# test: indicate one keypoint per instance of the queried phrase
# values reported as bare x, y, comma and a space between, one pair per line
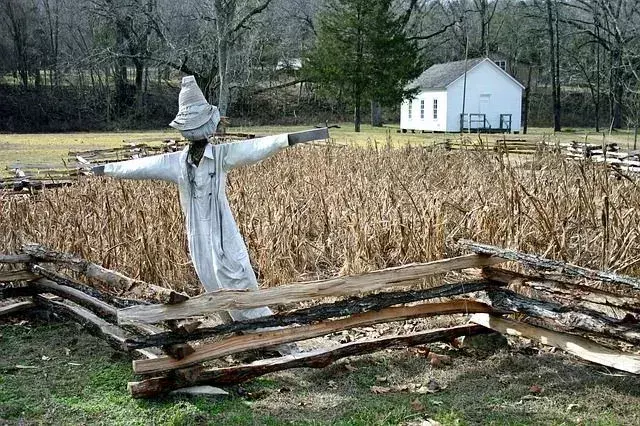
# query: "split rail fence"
590, 314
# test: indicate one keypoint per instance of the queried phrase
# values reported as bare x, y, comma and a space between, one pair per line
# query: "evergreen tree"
363, 49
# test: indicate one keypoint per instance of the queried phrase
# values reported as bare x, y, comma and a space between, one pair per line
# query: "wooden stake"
575, 345
316, 359
247, 342
216, 301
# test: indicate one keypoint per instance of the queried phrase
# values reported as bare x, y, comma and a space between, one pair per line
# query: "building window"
435, 109
422, 109
410, 107
502, 64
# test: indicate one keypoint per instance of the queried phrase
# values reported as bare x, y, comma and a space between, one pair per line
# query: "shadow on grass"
68, 377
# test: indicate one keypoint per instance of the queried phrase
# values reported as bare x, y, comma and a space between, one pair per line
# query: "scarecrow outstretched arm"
157, 167
250, 152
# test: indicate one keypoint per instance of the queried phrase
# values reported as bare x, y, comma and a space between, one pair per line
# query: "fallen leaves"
416, 405
419, 388
438, 361
535, 389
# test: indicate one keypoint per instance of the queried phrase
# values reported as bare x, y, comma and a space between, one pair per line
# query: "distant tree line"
101, 64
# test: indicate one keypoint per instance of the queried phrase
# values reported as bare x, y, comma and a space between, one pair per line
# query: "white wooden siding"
489, 91
426, 123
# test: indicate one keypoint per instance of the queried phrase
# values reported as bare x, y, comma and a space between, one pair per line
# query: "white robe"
217, 249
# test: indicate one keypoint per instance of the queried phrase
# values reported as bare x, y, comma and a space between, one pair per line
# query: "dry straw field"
316, 211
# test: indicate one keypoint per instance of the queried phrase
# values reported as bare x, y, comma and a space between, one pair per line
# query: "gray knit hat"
193, 108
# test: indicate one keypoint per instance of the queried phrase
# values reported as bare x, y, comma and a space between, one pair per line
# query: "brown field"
317, 211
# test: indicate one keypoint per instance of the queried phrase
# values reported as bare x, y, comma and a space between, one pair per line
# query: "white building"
486, 99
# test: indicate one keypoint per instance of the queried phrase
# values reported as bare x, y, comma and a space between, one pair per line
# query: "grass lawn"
77, 379
53, 148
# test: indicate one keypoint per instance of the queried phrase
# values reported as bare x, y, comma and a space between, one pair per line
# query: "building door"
483, 107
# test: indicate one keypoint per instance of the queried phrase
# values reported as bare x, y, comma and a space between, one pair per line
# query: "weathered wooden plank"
134, 288
316, 359
537, 262
15, 308
341, 308
246, 342
19, 275
575, 345
212, 302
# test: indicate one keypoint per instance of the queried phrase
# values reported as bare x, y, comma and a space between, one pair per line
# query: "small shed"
475, 95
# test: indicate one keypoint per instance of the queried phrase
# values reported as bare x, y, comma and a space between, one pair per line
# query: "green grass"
488, 389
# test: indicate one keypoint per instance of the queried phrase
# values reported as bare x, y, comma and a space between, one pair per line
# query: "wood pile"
500, 145
590, 314
609, 154
26, 178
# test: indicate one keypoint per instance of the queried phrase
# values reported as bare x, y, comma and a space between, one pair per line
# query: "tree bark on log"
576, 345
537, 262
342, 308
569, 292
119, 282
247, 342
569, 318
317, 359
224, 300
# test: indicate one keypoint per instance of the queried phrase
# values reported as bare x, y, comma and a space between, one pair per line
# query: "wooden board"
246, 342
317, 359
216, 301
575, 345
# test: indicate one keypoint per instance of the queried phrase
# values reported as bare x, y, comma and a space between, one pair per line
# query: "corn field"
315, 211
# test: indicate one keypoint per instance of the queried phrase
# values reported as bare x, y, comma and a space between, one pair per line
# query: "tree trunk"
376, 114
527, 100
552, 67
357, 118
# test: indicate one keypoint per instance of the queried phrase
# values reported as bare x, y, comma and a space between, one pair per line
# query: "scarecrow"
216, 247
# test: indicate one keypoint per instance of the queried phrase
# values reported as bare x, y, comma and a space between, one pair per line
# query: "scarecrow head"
196, 120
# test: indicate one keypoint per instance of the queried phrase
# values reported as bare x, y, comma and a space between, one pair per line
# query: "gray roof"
440, 76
